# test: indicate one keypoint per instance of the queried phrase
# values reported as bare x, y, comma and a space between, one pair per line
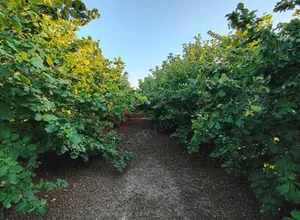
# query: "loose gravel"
162, 182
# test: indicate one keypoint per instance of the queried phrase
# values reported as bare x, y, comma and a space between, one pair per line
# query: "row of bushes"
239, 95
57, 93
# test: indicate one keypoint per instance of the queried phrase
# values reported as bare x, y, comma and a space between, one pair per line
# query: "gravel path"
162, 182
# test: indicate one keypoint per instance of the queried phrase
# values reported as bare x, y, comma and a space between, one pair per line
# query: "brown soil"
162, 182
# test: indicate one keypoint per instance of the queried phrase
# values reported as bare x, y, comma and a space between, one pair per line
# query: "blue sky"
144, 32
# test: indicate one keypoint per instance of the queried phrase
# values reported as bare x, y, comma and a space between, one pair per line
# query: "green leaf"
42, 210
15, 136
49, 118
31, 147
226, 43
5, 133
271, 145
296, 214
239, 122
240, 6
292, 176
3, 170
76, 4
49, 186
50, 105
15, 169
222, 93
76, 139
37, 62
16, 24
68, 3
32, 162
218, 126
61, 183
7, 203
74, 155
6, 112
223, 78
256, 109
2, 196
50, 128
28, 193
24, 174
73, 13
42, 53
11, 45
37, 108
26, 139
65, 13
58, 3
288, 45
229, 119
21, 206
283, 189
38, 117
13, 179
289, 136
22, 78
28, 44
4, 72
3, 52
295, 152
37, 2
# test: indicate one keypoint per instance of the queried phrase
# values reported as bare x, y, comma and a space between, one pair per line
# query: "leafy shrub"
239, 93
57, 93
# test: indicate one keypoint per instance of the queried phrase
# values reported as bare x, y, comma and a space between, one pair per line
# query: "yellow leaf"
48, 2
49, 61
23, 54
295, 13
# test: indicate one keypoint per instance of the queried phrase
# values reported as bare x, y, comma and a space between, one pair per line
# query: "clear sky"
144, 32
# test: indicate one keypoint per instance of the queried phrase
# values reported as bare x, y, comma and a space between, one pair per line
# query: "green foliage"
57, 92
238, 94
285, 5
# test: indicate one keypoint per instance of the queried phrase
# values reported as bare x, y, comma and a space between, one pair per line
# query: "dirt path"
162, 182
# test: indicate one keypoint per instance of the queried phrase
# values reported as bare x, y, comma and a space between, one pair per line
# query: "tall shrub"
240, 93
57, 93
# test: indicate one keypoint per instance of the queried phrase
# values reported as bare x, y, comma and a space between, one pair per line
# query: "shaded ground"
162, 182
